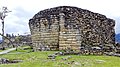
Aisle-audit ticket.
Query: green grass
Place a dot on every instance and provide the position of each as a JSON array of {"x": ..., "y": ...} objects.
[
  {"x": 1, "y": 50},
  {"x": 39, "y": 59}
]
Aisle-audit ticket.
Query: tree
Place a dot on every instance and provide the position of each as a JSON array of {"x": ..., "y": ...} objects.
[{"x": 3, "y": 14}]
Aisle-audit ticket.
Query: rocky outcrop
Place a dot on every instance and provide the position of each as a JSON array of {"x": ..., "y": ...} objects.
[{"x": 67, "y": 27}]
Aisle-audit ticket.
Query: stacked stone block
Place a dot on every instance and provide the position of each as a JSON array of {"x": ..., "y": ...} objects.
[{"x": 66, "y": 27}]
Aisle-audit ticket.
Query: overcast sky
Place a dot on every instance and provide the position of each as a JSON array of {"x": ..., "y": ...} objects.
[{"x": 22, "y": 10}]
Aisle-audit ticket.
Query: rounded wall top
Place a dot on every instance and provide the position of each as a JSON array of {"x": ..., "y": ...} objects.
[{"x": 67, "y": 11}]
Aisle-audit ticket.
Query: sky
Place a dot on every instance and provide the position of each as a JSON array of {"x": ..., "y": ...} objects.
[{"x": 22, "y": 10}]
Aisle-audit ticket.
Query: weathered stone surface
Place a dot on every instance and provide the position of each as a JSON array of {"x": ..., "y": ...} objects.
[
  {"x": 67, "y": 27},
  {"x": 7, "y": 61},
  {"x": 51, "y": 56}
]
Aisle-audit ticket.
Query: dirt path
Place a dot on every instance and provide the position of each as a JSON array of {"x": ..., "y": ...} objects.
[{"x": 6, "y": 51}]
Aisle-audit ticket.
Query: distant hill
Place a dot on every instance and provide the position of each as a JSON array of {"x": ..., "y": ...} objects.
[{"x": 117, "y": 37}]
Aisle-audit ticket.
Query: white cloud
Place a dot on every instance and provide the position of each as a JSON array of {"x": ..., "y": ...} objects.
[{"x": 23, "y": 10}]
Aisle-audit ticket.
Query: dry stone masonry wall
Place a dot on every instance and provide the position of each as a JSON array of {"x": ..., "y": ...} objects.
[{"x": 66, "y": 27}]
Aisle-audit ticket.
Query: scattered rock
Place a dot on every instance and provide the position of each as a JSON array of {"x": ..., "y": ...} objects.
[
  {"x": 76, "y": 63},
  {"x": 7, "y": 61},
  {"x": 15, "y": 61},
  {"x": 64, "y": 58},
  {"x": 100, "y": 61},
  {"x": 61, "y": 53},
  {"x": 3, "y": 61},
  {"x": 56, "y": 53},
  {"x": 51, "y": 56},
  {"x": 69, "y": 57}
]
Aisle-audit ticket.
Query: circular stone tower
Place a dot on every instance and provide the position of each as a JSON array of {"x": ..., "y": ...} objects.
[{"x": 70, "y": 27}]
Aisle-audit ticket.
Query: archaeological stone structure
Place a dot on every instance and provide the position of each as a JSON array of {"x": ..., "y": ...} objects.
[{"x": 68, "y": 27}]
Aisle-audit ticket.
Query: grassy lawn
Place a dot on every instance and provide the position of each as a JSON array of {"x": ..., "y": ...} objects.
[
  {"x": 1, "y": 50},
  {"x": 39, "y": 59}
]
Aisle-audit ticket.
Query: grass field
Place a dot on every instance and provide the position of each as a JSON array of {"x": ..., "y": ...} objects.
[
  {"x": 39, "y": 59},
  {"x": 1, "y": 50}
]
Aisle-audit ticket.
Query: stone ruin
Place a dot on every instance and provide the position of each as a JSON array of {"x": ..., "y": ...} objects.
[{"x": 67, "y": 27}]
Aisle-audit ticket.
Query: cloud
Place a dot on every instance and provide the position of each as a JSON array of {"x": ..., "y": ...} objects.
[
  {"x": 17, "y": 21},
  {"x": 117, "y": 27},
  {"x": 23, "y": 15},
  {"x": 23, "y": 10}
]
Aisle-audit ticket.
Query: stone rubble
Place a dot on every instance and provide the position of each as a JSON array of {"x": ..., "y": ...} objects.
[{"x": 7, "y": 61}]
